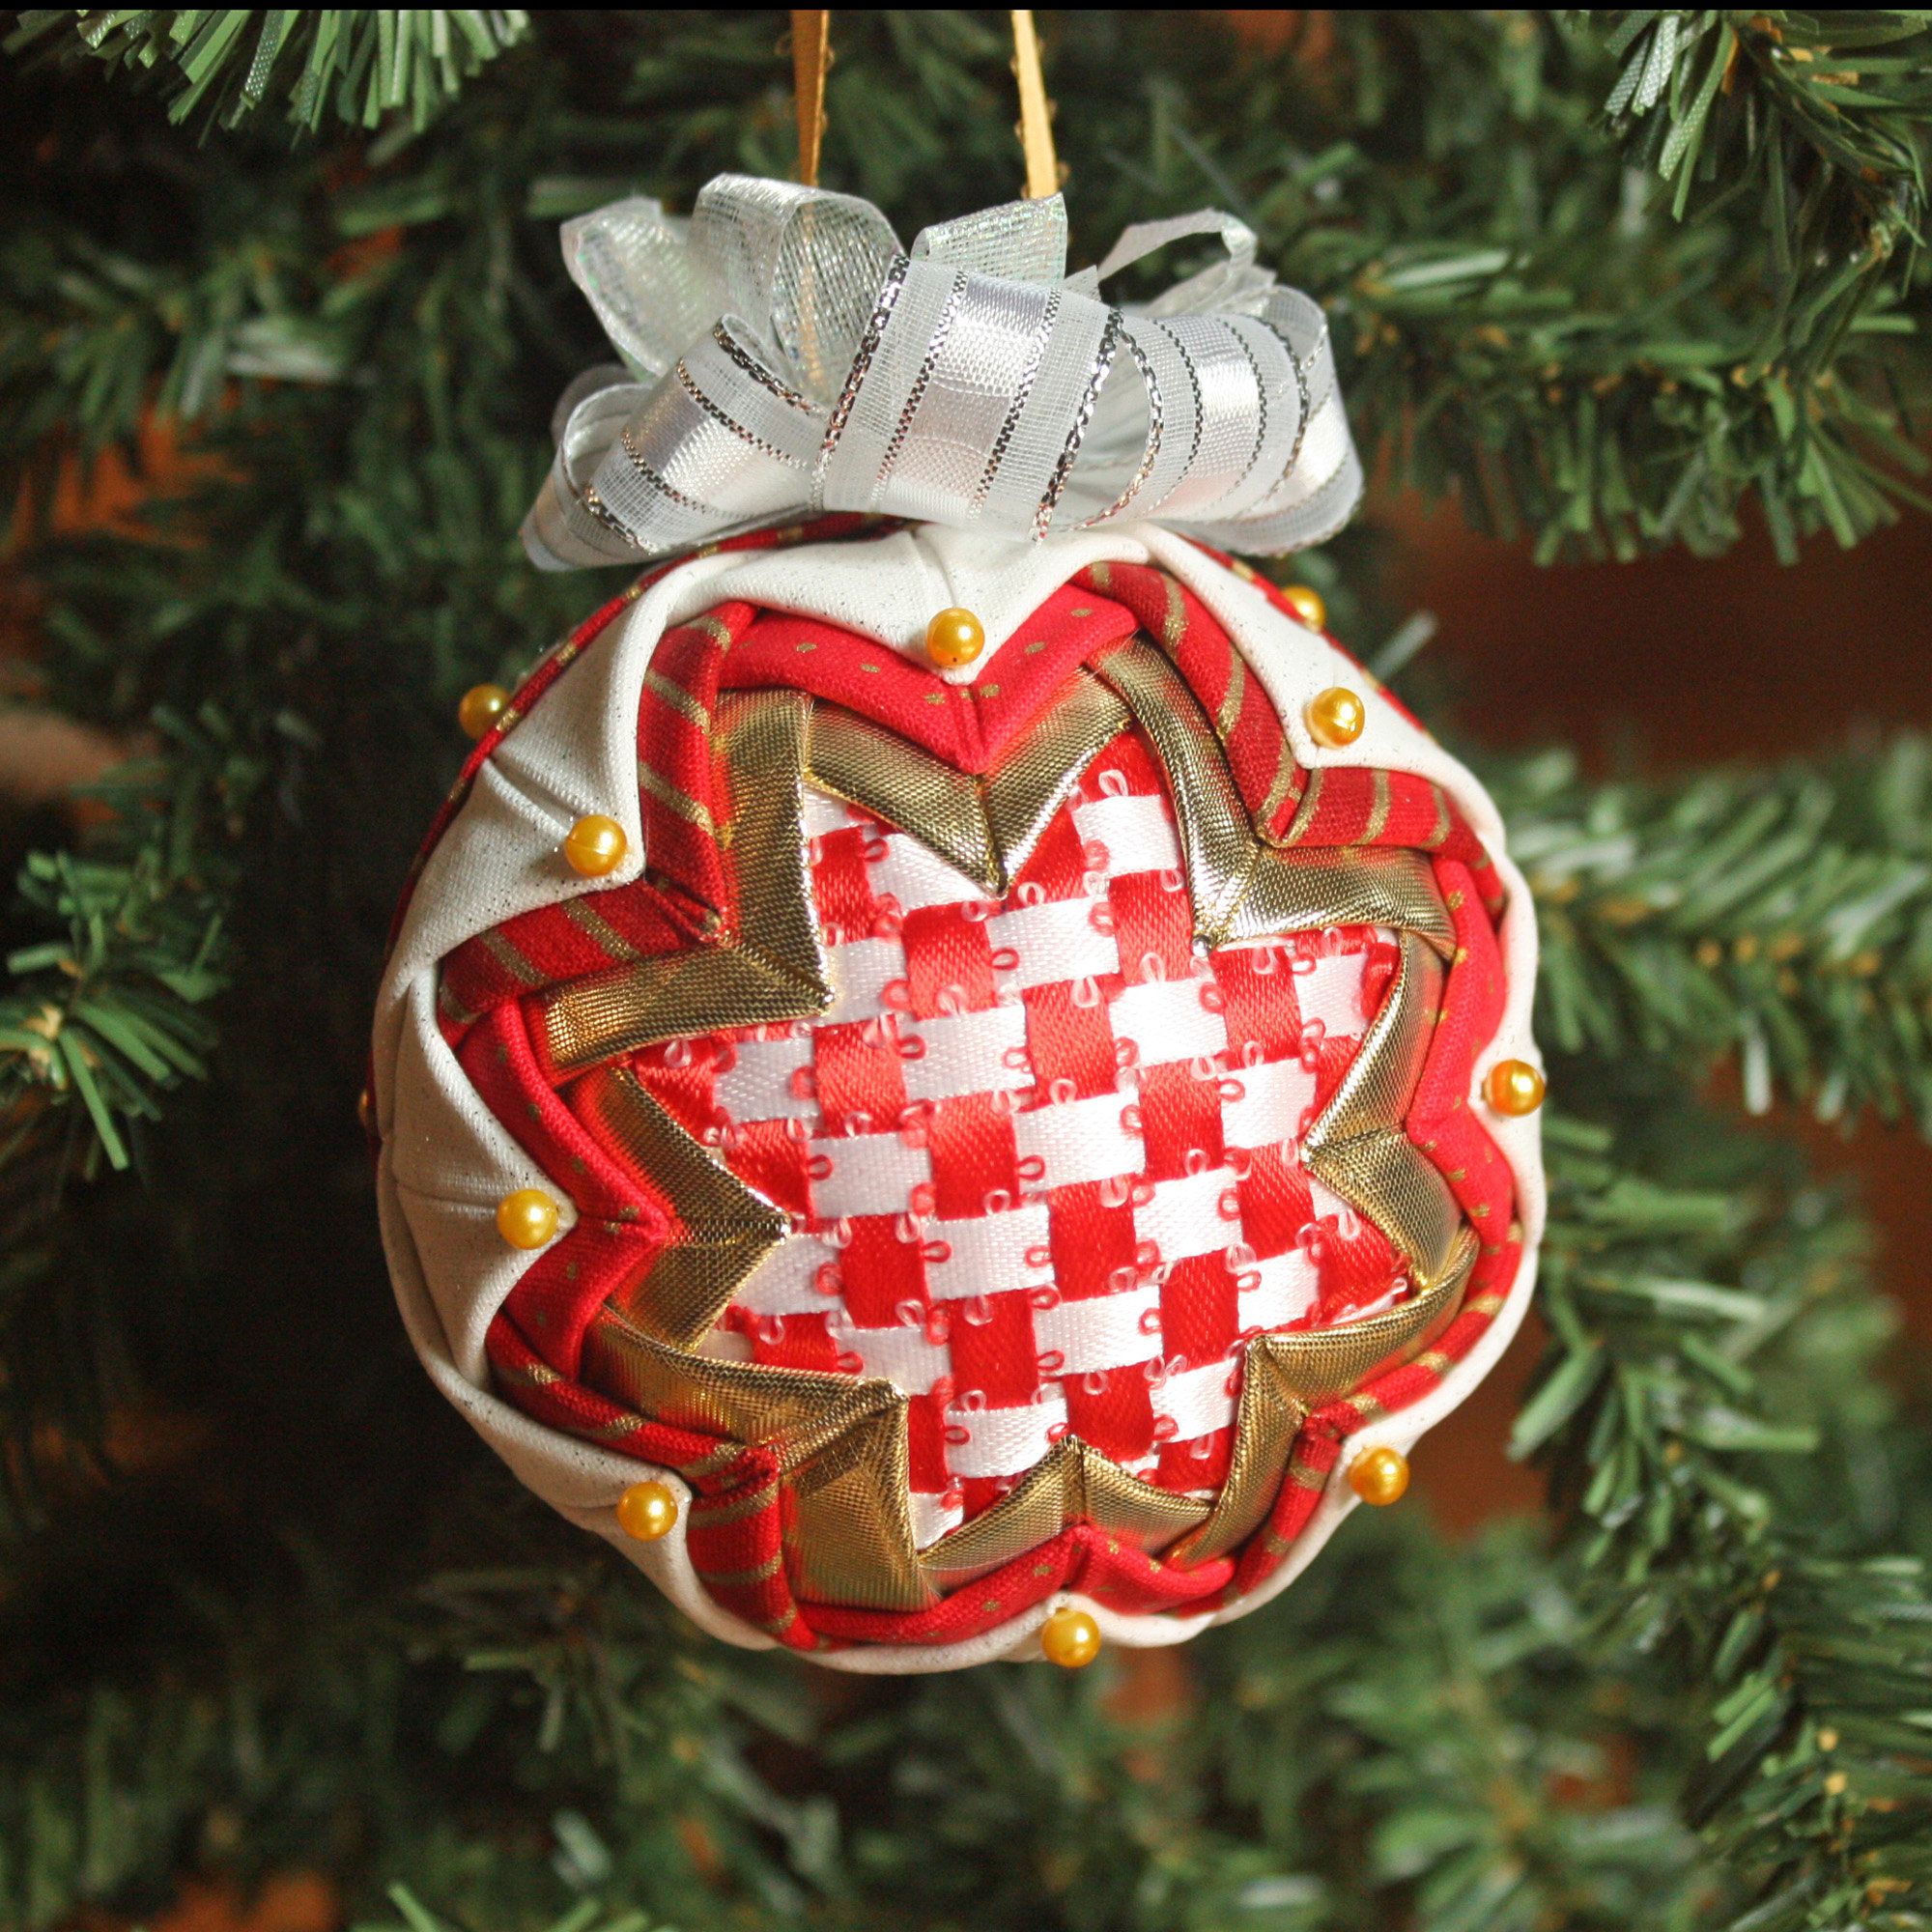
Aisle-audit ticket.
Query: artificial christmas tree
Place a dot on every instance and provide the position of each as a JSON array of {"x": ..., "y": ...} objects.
[{"x": 1618, "y": 283}]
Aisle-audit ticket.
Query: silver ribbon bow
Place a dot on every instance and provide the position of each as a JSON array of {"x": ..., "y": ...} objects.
[{"x": 785, "y": 356}]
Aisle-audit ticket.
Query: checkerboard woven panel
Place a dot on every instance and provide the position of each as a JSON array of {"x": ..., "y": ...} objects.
[{"x": 1040, "y": 1157}]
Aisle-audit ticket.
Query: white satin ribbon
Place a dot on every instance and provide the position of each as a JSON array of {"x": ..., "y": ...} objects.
[{"x": 784, "y": 357}]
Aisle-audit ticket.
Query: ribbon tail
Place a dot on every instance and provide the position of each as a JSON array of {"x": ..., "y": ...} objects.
[
  {"x": 1322, "y": 483},
  {"x": 566, "y": 527}
]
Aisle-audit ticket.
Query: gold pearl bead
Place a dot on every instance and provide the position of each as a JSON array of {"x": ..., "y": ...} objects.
[
  {"x": 528, "y": 1218},
  {"x": 1307, "y": 604},
  {"x": 481, "y": 706},
  {"x": 595, "y": 845},
  {"x": 1336, "y": 717},
  {"x": 1070, "y": 1638},
  {"x": 955, "y": 638},
  {"x": 1514, "y": 1087},
  {"x": 1380, "y": 1476},
  {"x": 647, "y": 1511}
]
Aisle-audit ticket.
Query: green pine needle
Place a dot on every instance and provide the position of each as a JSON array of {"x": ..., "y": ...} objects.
[
  {"x": 1617, "y": 281},
  {"x": 220, "y": 64}
]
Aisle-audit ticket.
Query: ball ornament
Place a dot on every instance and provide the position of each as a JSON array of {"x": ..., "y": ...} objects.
[{"x": 952, "y": 1146}]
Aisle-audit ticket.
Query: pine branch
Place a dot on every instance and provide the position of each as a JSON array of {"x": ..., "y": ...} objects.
[
  {"x": 1815, "y": 1782},
  {"x": 109, "y": 341},
  {"x": 1817, "y": 120},
  {"x": 108, "y": 1015},
  {"x": 304, "y": 564},
  {"x": 1576, "y": 350},
  {"x": 101, "y": 1020},
  {"x": 1712, "y": 1331},
  {"x": 1494, "y": 1777},
  {"x": 1753, "y": 104},
  {"x": 587, "y": 1916},
  {"x": 588, "y": 1750},
  {"x": 1783, "y": 916},
  {"x": 220, "y": 64}
]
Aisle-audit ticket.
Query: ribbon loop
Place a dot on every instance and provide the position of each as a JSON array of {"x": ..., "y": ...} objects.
[
  {"x": 1021, "y": 241},
  {"x": 1142, "y": 238},
  {"x": 783, "y": 355},
  {"x": 804, "y": 262},
  {"x": 633, "y": 262}
]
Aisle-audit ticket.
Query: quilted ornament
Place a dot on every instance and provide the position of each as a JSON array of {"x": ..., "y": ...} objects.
[{"x": 983, "y": 1140}]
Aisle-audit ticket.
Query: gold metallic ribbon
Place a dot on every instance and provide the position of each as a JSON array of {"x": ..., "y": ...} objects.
[{"x": 811, "y": 62}]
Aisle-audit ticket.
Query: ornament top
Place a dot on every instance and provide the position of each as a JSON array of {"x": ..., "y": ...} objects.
[{"x": 783, "y": 355}]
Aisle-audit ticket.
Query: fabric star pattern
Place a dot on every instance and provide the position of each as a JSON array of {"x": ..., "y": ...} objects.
[{"x": 1014, "y": 1133}]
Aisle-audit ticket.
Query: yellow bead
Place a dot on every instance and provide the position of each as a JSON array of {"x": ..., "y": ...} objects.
[
  {"x": 1307, "y": 604},
  {"x": 1070, "y": 1638},
  {"x": 528, "y": 1218},
  {"x": 1380, "y": 1476},
  {"x": 1514, "y": 1087},
  {"x": 1336, "y": 717},
  {"x": 595, "y": 845},
  {"x": 647, "y": 1511},
  {"x": 955, "y": 638},
  {"x": 481, "y": 707}
]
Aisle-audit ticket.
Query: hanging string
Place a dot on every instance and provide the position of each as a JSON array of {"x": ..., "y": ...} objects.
[
  {"x": 1036, "y": 128},
  {"x": 810, "y": 58}
]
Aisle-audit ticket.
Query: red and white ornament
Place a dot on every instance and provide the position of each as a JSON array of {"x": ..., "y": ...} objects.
[{"x": 945, "y": 1155}]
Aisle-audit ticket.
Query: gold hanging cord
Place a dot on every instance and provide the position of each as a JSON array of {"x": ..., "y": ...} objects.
[
  {"x": 811, "y": 57},
  {"x": 1036, "y": 128}
]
